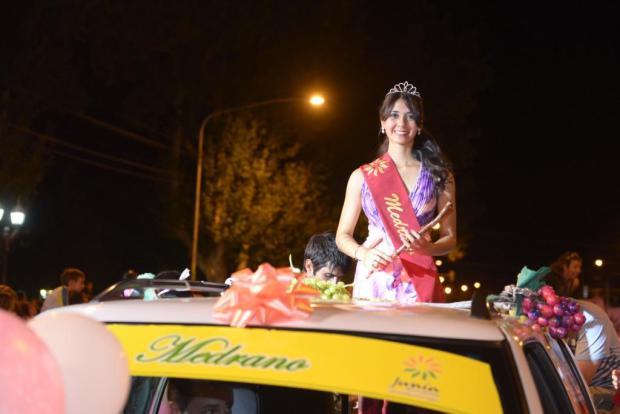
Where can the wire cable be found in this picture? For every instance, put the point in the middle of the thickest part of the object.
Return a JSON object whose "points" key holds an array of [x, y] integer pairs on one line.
{"points": [[57, 141], [111, 168], [102, 124]]}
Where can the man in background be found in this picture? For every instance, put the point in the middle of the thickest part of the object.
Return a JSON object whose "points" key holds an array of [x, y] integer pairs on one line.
{"points": [[72, 283], [322, 258]]}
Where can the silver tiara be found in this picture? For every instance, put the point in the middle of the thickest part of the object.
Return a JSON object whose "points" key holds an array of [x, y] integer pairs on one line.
{"points": [[405, 87]]}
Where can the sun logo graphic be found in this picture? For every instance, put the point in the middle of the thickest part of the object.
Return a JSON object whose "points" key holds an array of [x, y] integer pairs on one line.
{"points": [[421, 367], [378, 166]]}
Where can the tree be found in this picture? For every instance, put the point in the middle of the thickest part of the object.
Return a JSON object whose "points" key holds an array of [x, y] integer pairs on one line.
{"points": [[261, 202]]}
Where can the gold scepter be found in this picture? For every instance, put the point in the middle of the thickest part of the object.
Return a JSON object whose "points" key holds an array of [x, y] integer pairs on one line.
{"points": [[426, 227]]}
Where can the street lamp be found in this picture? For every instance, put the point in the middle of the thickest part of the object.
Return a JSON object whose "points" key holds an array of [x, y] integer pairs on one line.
{"points": [[9, 233], [315, 100]]}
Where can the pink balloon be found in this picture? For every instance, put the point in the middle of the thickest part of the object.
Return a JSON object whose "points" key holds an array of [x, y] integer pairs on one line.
{"points": [[31, 381]]}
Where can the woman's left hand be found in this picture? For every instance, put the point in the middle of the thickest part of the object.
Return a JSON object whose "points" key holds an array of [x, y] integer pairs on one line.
{"points": [[420, 245]]}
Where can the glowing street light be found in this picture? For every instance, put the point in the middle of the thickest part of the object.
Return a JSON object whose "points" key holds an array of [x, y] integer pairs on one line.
{"points": [[438, 262], [315, 100], [448, 290], [477, 285], [18, 216], [9, 233], [442, 279], [464, 288], [598, 262]]}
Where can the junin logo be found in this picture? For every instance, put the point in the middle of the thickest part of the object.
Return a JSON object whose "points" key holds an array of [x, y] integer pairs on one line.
{"points": [[422, 368]]}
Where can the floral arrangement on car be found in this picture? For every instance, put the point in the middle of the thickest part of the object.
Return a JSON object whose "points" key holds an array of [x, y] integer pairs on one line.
{"points": [[538, 306], [267, 295]]}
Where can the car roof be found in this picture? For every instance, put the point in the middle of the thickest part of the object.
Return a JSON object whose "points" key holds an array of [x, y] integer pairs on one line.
{"points": [[423, 320]]}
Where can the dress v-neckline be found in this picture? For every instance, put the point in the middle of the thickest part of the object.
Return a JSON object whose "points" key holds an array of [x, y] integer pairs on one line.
{"points": [[415, 184]]}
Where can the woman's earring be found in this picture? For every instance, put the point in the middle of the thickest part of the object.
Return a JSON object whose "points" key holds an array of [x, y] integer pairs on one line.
{"points": [[419, 131], [382, 130]]}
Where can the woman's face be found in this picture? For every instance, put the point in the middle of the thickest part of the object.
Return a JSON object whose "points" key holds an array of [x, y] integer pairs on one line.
{"points": [[572, 270], [400, 126]]}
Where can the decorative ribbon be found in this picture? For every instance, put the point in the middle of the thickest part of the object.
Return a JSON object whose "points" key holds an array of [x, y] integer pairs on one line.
{"points": [[266, 296]]}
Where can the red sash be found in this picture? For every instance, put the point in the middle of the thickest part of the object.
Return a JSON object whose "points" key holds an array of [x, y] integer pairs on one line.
{"points": [[390, 195]]}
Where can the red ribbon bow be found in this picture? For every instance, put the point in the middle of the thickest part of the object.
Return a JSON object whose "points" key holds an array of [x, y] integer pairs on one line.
{"points": [[266, 296]]}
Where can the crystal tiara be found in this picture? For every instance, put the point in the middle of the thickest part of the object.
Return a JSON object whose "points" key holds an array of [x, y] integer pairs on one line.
{"points": [[405, 87]]}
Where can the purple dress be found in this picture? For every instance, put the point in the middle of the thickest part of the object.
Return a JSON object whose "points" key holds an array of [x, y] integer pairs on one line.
{"points": [[380, 284]]}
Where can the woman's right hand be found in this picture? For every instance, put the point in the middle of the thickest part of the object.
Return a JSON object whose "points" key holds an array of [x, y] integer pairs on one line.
{"points": [[375, 259]]}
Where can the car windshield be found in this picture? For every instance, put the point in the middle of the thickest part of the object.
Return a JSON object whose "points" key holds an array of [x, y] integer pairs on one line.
{"points": [[153, 289], [186, 395]]}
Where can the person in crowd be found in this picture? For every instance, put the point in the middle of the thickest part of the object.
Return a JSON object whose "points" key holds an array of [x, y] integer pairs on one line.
{"points": [[89, 291], [196, 396], [323, 259], [597, 347], [75, 298], [130, 274], [8, 299], [615, 375], [565, 271], [26, 308], [72, 280], [597, 353], [399, 192]]}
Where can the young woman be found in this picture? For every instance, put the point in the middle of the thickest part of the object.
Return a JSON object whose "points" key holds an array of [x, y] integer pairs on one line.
{"points": [[399, 192]]}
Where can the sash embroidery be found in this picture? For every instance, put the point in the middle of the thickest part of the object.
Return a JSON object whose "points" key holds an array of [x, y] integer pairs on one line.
{"points": [[398, 217]]}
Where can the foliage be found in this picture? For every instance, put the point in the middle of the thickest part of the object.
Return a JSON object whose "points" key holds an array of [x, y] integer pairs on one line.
{"points": [[260, 200]]}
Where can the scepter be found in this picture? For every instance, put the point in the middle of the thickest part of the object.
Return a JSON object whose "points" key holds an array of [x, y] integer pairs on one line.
{"points": [[426, 227]]}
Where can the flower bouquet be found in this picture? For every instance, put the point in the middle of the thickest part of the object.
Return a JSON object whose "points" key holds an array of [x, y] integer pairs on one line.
{"points": [[538, 306]]}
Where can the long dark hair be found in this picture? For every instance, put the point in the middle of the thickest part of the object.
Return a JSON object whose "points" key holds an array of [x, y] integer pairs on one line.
{"points": [[425, 148]]}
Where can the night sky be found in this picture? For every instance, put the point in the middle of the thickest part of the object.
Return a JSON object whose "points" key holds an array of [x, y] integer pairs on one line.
{"points": [[536, 84]]}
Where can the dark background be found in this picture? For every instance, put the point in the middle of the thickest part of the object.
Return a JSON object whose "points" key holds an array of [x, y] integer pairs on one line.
{"points": [[541, 178]]}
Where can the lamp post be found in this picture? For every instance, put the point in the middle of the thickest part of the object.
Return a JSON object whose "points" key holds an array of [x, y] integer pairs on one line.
{"points": [[9, 233], [315, 100]]}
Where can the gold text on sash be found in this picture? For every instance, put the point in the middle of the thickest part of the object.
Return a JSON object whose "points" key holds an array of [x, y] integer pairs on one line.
{"points": [[394, 206]]}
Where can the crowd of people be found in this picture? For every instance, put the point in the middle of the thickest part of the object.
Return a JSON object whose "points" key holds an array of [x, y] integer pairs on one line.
{"points": [[73, 289], [18, 302]]}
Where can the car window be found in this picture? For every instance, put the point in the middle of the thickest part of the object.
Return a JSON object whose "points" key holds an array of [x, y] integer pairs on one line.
{"points": [[554, 397], [569, 373], [141, 395], [153, 289], [216, 397]]}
